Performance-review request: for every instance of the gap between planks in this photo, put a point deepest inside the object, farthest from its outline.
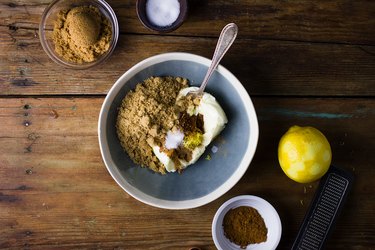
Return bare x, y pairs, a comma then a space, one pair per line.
256, 38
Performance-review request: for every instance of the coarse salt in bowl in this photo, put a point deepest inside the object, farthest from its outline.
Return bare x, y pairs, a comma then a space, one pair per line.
162, 13
162, 16
264, 208
214, 173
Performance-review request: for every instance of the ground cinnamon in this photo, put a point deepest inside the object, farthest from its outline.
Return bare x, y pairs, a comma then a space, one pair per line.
244, 225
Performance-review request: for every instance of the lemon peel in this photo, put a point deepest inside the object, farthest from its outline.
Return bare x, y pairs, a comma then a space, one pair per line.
304, 154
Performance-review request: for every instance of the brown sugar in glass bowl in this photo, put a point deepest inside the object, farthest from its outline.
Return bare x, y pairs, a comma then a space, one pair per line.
87, 35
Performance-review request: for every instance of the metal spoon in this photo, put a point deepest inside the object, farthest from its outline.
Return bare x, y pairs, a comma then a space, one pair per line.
226, 39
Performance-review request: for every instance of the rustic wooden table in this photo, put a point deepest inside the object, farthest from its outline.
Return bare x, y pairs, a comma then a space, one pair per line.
302, 62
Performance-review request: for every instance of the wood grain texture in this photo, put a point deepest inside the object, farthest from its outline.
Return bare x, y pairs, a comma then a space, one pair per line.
263, 67
303, 62
56, 193
340, 21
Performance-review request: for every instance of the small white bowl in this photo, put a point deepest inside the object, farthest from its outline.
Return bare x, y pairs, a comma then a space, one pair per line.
265, 209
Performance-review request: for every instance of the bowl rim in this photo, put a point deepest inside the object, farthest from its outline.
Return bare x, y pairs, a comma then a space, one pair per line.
249, 199
169, 204
50, 51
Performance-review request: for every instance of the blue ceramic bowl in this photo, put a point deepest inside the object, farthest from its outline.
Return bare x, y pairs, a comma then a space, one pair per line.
204, 181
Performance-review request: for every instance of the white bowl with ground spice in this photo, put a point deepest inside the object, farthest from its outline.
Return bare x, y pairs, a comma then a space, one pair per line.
246, 222
78, 34
136, 110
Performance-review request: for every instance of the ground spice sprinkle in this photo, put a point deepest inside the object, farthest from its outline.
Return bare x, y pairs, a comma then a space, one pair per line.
244, 225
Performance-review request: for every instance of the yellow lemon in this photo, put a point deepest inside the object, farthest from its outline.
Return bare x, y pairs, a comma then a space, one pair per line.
304, 154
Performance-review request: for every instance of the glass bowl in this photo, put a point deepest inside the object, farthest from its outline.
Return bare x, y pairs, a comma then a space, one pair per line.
46, 30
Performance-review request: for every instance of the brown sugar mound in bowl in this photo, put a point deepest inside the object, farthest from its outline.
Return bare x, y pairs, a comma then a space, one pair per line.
81, 34
146, 115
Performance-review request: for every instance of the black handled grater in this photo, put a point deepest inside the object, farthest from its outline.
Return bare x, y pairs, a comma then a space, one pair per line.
322, 214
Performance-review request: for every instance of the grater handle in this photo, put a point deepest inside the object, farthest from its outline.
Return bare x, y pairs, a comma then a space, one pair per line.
324, 209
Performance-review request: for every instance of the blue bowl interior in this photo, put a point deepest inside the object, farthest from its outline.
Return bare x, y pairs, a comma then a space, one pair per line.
204, 176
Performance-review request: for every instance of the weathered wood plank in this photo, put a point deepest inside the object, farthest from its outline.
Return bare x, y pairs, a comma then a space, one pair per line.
264, 67
55, 190
325, 21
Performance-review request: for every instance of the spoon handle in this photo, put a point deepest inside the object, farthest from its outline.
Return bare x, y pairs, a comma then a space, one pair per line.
226, 39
